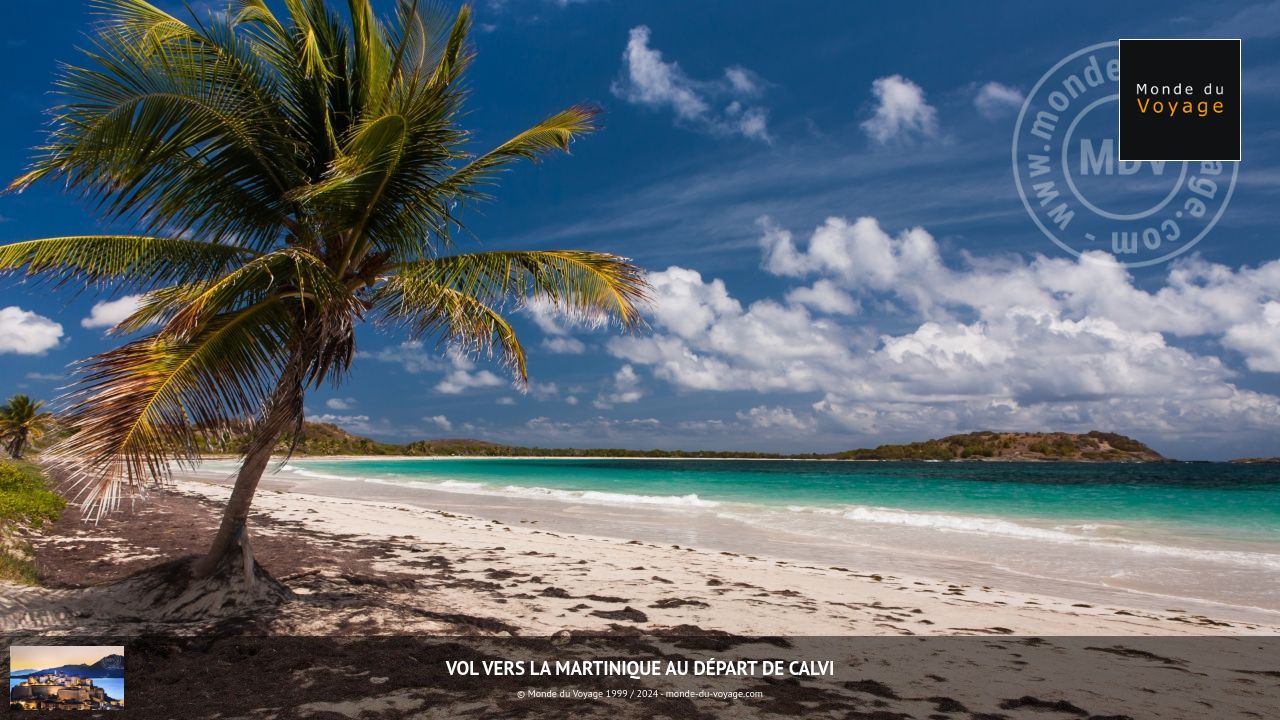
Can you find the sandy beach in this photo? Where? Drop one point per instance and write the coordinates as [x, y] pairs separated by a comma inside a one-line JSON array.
[[427, 570], [382, 591]]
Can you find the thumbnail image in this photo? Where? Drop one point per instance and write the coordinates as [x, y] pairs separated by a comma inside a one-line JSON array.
[[66, 677]]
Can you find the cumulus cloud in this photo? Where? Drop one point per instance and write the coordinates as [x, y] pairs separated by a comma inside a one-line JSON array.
[[110, 313], [460, 371], [1258, 339], [901, 111], [564, 346], [720, 107], [556, 324], [440, 421], [23, 332], [995, 101], [994, 342], [626, 389], [340, 403], [464, 376], [706, 340], [411, 355], [593, 431], [352, 423], [824, 296], [764, 417]]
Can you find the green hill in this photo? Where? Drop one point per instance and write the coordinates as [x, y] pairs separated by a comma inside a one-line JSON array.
[[327, 439], [988, 445]]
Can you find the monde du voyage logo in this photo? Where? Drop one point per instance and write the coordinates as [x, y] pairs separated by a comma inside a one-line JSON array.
[[1138, 164]]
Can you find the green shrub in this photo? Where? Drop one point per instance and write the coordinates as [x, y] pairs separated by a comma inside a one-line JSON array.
[[24, 498], [25, 502]]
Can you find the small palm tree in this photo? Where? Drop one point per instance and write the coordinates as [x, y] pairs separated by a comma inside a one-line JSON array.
[[284, 179], [21, 423]]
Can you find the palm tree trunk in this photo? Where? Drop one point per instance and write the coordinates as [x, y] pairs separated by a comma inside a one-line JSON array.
[[19, 444], [281, 412]]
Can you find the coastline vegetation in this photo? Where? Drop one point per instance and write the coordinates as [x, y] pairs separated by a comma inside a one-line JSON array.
[[320, 439], [26, 505]]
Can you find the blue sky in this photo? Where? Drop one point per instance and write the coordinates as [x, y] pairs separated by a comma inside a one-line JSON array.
[[823, 196]]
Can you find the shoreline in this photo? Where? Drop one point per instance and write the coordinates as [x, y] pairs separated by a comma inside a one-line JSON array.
[[1144, 562], [1055, 607], [1055, 610], [1034, 461], [360, 560]]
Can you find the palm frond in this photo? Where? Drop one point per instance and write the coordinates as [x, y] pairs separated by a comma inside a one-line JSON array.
[[460, 297], [555, 133], [174, 129], [289, 272], [125, 261], [455, 319], [582, 284], [143, 405]]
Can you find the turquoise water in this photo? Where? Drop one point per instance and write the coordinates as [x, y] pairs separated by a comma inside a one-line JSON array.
[[114, 687], [1174, 532], [1239, 502]]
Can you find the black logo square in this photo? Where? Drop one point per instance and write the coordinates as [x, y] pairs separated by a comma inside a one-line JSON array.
[[1179, 100]]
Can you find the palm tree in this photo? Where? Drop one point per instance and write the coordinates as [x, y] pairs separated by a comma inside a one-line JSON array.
[[21, 422], [283, 181]]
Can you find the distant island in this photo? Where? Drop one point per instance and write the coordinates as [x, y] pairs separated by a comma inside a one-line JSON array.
[[321, 439], [1093, 446]]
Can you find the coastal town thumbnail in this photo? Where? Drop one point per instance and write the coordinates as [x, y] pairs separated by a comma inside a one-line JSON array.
[[84, 678]]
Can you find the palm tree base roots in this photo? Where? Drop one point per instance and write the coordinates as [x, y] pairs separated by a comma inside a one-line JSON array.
[[173, 593]]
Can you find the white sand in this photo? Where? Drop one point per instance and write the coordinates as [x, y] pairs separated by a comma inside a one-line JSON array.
[[514, 564]]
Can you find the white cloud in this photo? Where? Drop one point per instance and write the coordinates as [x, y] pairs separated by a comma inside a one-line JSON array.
[[824, 296], [556, 323], [707, 341], [1258, 339], [464, 376], [25, 333], [995, 101], [352, 423], [506, 400], [564, 346], [626, 389], [997, 342], [440, 421], [719, 107], [594, 431], [544, 391], [412, 355], [110, 313], [775, 418], [901, 111], [460, 372], [340, 403], [743, 81], [46, 377]]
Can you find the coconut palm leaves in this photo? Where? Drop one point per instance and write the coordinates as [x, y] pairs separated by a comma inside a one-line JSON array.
[[283, 177], [22, 422]]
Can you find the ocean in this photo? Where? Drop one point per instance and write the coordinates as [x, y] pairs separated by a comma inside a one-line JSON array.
[[1206, 531]]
